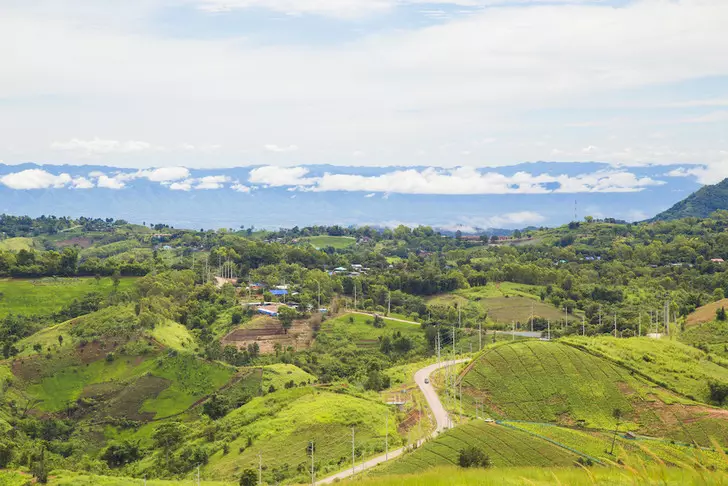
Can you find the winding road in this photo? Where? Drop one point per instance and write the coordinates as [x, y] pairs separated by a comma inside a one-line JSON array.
[[433, 401]]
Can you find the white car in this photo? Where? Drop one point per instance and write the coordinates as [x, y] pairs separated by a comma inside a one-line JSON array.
[[490, 420], [427, 381]]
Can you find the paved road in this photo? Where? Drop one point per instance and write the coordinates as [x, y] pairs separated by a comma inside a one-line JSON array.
[[435, 405]]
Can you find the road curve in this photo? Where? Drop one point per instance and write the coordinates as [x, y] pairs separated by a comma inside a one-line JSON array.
[[433, 401]]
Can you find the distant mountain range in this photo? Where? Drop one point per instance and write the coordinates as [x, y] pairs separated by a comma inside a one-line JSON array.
[[699, 204], [472, 202]]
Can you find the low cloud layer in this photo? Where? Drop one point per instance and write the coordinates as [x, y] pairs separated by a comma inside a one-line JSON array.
[[459, 181]]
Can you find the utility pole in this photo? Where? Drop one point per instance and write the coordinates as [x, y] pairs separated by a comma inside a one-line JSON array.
[[513, 330], [615, 324], [531, 316], [600, 317], [480, 336], [198, 475], [260, 469], [453, 341], [459, 321], [461, 401], [566, 315], [583, 325], [667, 318], [548, 332], [354, 294], [353, 471], [313, 477], [639, 325], [386, 439], [389, 302]]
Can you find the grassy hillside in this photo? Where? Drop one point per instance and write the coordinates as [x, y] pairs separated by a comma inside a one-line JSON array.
[[47, 295], [504, 302], [504, 446], [280, 375], [280, 425], [337, 242], [68, 478], [555, 383], [173, 335], [16, 244], [700, 204], [535, 476], [671, 364], [361, 329]]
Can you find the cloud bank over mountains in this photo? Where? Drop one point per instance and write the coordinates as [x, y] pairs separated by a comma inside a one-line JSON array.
[[430, 180]]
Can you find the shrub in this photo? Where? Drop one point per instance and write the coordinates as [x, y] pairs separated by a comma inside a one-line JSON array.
[[471, 456], [248, 478]]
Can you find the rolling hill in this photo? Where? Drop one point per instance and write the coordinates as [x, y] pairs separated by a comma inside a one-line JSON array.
[[551, 382], [700, 204]]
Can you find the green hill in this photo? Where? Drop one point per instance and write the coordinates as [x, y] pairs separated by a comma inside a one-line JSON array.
[[700, 204], [555, 383], [504, 446]]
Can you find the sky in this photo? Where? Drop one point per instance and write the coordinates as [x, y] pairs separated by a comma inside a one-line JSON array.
[[434, 96]]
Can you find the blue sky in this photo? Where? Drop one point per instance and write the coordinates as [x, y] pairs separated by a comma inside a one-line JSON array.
[[469, 84]]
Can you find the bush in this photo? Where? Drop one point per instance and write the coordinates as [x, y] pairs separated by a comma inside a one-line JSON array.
[[249, 478], [718, 391], [6, 455], [472, 457], [121, 453]]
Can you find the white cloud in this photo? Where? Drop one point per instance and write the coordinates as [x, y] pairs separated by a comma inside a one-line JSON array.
[[211, 182], [279, 176], [181, 185], [100, 146], [712, 173], [165, 174], [458, 181], [82, 183], [107, 182], [371, 194], [240, 187], [276, 148], [34, 179]]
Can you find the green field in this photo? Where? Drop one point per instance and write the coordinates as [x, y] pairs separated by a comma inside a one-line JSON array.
[[280, 374], [554, 383], [538, 476], [16, 244], [338, 242], [504, 446], [504, 302], [360, 329], [173, 335], [281, 424], [671, 364], [47, 295], [68, 478], [633, 452]]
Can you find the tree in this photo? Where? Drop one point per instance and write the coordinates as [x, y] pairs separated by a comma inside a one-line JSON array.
[[121, 453], [60, 340], [237, 317], [248, 478], [286, 316], [472, 456], [215, 407], [39, 468], [718, 294], [6, 454], [718, 391], [720, 314]]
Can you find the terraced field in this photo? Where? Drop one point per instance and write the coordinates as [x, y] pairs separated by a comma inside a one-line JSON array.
[[504, 446], [550, 382], [671, 364]]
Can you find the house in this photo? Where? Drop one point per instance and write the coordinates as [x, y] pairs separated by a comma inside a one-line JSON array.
[[357, 266], [470, 238], [717, 260], [256, 287], [269, 310], [278, 292]]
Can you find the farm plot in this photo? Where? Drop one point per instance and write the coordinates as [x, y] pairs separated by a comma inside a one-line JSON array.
[[670, 364], [548, 382], [504, 446], [48, 295], [360, 329], [338, 242]]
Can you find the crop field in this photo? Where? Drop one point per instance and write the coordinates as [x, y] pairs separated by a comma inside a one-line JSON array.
[[505, 302], [281, 424], [360, 328], [16, 244], [67, 478], [548, 382], [504, 446], [633, 452], [338, 242], [706, 313], [105, 251], [280, 374], [535, 476], [671, 364], [47, 295]]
